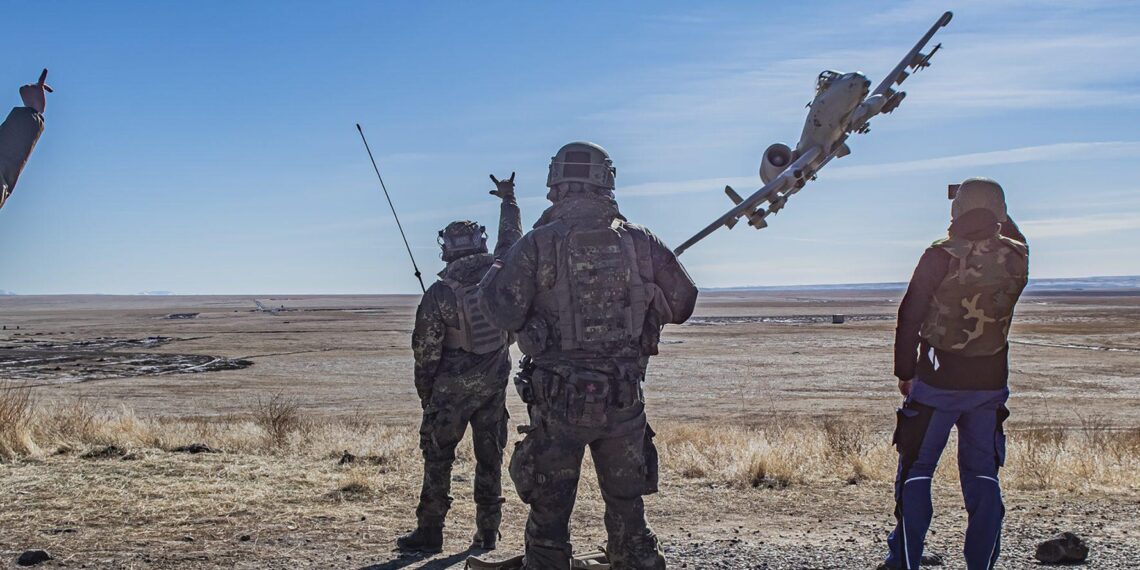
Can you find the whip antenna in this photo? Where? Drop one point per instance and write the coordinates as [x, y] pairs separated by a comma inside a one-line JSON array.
[[419, 277]]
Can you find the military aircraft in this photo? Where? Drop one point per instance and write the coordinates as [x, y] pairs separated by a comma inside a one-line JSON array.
[[843, 105]]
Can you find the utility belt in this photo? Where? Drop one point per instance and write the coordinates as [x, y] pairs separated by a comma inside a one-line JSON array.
[[583, 396]]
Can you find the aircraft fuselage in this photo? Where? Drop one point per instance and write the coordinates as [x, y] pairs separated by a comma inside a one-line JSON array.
[[837, 96]]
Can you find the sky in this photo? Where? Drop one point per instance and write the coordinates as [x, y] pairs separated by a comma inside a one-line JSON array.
[[211, 148]]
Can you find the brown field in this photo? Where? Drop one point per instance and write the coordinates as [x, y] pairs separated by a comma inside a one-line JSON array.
[[774, 431]]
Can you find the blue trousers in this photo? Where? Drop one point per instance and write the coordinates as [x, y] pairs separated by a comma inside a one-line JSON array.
[[924, 424]]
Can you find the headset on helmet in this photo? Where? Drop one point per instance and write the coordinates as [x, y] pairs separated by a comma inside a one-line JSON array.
[[462, 238], [583, 162]]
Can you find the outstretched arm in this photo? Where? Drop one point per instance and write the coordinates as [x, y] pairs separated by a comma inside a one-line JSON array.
[[679, 290], [19, 133], [510, 218], [508, 289]]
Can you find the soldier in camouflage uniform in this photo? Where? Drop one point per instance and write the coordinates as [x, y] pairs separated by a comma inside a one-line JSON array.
[[462, 364], [586, 292], [951, 360], [19, 133]]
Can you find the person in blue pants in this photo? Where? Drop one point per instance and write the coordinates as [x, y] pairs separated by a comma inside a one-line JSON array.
[[951, 360]]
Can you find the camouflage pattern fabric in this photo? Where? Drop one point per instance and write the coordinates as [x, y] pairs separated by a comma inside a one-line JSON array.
[[477, 399], [546, 466], [18, 136], [459, 388], [583, 398], [515, 293], [971, 311]]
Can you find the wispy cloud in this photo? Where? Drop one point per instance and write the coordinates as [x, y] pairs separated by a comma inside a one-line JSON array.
[[1050, 152], [686, 186], [1080, 225]]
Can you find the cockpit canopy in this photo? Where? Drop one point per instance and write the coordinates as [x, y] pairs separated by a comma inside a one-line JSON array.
[[825, 80]]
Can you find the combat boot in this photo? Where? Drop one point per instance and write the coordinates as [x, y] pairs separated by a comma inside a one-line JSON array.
[[428, 539], [486, 539]]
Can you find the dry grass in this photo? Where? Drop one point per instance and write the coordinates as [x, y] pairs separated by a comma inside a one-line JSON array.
[[16, 414], [1094, 455], [82, 478]]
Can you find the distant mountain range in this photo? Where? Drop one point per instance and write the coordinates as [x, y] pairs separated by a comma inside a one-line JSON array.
[[1116, 283]]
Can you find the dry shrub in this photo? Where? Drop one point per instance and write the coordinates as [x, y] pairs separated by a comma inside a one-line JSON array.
[[1036, 456], [845, 438], [279, 415], [16, 415]]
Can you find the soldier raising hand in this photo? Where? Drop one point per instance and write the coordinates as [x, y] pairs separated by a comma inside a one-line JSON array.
[[461, 367]]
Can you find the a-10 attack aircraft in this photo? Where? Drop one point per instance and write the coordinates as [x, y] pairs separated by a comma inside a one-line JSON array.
[[841, 107]]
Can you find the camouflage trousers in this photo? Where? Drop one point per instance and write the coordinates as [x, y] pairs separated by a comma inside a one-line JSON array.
[[546, 466], [445, 420]]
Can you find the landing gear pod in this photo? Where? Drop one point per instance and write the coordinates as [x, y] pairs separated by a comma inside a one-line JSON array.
[[776, 158]]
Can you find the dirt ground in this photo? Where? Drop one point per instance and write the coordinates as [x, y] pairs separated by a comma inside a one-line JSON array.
[[747, 358]]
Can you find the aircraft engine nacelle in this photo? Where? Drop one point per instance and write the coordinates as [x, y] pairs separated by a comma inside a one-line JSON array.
[[776, 159]]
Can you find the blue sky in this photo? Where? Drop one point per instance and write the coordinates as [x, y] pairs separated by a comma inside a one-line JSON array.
[[211, 148]]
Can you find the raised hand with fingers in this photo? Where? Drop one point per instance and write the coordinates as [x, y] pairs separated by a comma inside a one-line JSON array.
[[34, 94], [504, 189]]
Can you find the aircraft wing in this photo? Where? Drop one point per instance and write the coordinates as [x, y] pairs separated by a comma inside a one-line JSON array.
[[914, 59], [786, 181]]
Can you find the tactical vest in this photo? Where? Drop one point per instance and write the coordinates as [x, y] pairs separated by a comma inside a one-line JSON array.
[[475, 333], [599, 300], [972, 308]]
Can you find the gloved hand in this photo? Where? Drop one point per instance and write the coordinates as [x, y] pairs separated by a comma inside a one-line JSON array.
[[33, 94], [504, 189]]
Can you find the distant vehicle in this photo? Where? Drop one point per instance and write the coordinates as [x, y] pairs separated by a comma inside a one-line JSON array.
[[841, 107], [263, 309]]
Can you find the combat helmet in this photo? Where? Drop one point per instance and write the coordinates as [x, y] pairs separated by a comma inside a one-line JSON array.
[[462, 238], [976, 193], [583, 162]]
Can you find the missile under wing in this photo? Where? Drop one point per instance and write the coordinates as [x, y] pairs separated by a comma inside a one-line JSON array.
[[843, 104]]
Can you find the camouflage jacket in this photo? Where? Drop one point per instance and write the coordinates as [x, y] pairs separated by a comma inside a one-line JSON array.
[[18, 136], [438, 310], [530, 268], [985, 372]]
